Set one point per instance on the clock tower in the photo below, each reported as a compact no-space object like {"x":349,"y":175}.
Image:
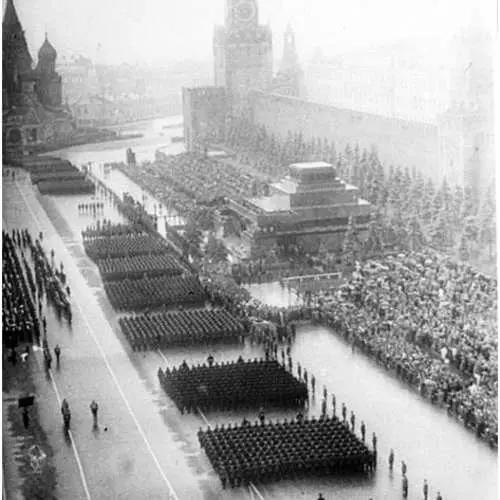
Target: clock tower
{"x":242,"y":51}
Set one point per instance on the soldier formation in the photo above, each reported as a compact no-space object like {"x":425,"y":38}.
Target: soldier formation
{"x":233,"y":385}
{"x":189,"y":327}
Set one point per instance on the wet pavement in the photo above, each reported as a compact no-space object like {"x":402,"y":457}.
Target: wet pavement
{"x":273,"y":294}
{"x":138,"y":456}
{"x":141,"y":418}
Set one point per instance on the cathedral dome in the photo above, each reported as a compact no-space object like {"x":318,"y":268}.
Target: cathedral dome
{"x":47,"y":51}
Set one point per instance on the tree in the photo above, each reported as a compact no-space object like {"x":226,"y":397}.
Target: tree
{"x":415,"y":235}
{"x":397,"y":229}
{"x":193,"y":236}
{"x":463,"y":248}
{"x":457,"y":207}
{"x":350,"y":248}
{"x":375,"y":240}
{"x":439,"y":232}
{"x":215,"y":250}
{"x":471,"y":230}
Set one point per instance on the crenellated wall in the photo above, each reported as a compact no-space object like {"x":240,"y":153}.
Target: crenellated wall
{"x":398,"y":142}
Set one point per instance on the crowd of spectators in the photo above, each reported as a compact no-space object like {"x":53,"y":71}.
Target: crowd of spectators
{"x":192,"y":326}
{"x":233,"y":385}
{"x":434,"y":321}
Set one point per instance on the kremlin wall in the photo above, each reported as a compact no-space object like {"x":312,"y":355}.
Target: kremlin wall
{"x":458,"y":145}
{"x":398,"y":142}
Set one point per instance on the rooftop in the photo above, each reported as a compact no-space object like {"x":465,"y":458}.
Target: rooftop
{"x":274,"y":203}
{"x":310,"y":165}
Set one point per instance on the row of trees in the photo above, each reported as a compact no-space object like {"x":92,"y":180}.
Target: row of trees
{"x":409,"y":209}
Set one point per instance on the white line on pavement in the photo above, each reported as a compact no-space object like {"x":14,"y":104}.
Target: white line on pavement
{"x":172,"y":492}
{"x":163,"y":356}
{"x":4,"y":491}
{"x":202,"y":415}
{"x":256,"y":491}
{"x":73,"y":445}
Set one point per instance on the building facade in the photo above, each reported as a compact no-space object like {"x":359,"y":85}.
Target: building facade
{"x":243,"y":50}
{"x":32,"y":111}
{"x":309,"y":208}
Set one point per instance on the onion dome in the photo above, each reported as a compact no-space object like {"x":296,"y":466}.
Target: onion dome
{"x":47,"y":51}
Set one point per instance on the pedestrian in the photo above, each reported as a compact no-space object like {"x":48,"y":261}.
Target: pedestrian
{"x":334,"y":403}
{"x":44,"y":323}
{"x":323,"y":408}
{"x":426,"y":489}
{"x":325,"y":392}
{"x":57,"y":351}
{"x":374,"y":442}
{"x":13,"y":356}
{"x":403,"y":467}
{"x":344,"y":412}
{"x":405,"y":487}
{"x":94,"y":407}
{"x":321,"y":497}
{"x":210,"y":360}
{"x":313,"y":383}
{"x":299,"y":370}
{"x":439,"y":497}
{"x":26,"y":417}
{"x":262,"y":416}
{"x":391,"y":459}
{"x":305,"y":376}
{"x":363,"y":431}
{"x":353,"y":420}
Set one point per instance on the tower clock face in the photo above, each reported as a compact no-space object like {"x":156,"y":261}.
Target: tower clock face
{"x":244,"y":11}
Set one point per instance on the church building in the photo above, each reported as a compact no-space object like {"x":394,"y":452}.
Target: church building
{"x":32,"y":110}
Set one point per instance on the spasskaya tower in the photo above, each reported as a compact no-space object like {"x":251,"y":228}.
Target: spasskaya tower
{"x":243,"y":51}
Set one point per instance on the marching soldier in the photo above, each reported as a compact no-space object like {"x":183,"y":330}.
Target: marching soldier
{"x":403,"y":467}
{"x":262,"y":416}
{"x":93,"y":409}
{"x":26,"y":417}
{"x":405,"y":487}
{"x":57,"y":351}
{"x":391,"y":459}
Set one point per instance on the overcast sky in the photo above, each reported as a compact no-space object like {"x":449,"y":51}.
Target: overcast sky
{"x":156,"y":31}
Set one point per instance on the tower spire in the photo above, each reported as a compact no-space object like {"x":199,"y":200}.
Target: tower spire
{"x":10,"y":18}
